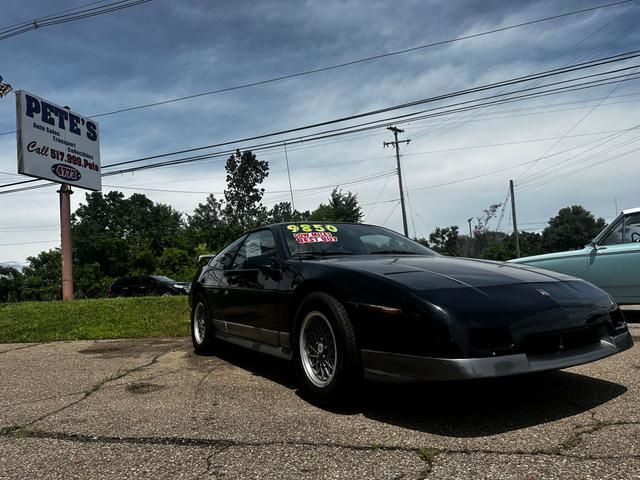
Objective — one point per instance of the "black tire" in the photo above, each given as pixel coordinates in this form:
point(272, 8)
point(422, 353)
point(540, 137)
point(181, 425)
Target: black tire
point(202, 330)
point(314, 352)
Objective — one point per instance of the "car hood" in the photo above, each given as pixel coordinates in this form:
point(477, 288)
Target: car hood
point(430, 272)
point(551, 256)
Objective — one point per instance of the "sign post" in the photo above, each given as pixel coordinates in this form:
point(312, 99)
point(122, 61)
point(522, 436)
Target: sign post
point(65, 242)
point(57, 144)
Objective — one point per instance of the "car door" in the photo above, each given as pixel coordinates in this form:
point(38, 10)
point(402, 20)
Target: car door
point(148, 286)
point(136, 289)
point(251, 290)
point(214, 283)
point(614, 262)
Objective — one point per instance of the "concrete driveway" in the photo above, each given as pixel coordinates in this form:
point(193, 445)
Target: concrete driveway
point(149, 408)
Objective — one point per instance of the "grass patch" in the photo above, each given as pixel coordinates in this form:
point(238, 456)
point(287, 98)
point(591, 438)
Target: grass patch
point(94, 319)
point(428, 455)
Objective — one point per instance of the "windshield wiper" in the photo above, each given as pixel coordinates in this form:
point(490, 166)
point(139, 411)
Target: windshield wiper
point(399, 252)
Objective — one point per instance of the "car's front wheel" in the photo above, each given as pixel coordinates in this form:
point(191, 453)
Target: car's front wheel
point(326, 352)
point(202, 334)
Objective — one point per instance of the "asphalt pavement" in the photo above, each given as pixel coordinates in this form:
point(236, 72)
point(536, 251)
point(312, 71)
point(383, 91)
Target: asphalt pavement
point(150, 408)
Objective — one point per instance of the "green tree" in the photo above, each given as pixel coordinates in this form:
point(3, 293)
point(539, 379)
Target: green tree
point(11, 280)
point(89, 281)
point(208, 225)
point(177, 264)
point(243, 196)
point(342, 207)
point(530, 243)
point(445, 240)
point(121, 234)
point(282, 212)
point(572, 228)
point(43, 276)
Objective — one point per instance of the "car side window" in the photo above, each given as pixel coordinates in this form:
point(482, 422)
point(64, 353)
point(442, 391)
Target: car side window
point(224, 259)
point(259, 249)
point(632, 228)
point(615, 235)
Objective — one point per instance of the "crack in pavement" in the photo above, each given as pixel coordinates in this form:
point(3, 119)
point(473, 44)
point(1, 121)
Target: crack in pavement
point(210, 465)
point(580, 431)
point(224, 444)
point(22, 348)
point(38, 400)
point(196, 391)
point(89, 392)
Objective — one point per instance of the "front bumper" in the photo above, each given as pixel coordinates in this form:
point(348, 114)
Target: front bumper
point(394, 367)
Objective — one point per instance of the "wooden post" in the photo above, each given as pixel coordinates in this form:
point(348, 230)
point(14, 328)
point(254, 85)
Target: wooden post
point(65, 239)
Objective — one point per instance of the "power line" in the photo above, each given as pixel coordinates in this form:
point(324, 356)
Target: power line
point(371, 125)
point(598, 143)
point(27, 243)
point(54, 14)
point(540, 68)
point(582, 169)
point(363, 60)
point(59, 19)
point(573, 127)
point(572, 68)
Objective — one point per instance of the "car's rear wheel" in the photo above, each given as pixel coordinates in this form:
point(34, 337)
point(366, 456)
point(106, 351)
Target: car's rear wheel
point(202, 334)
point(326, 352)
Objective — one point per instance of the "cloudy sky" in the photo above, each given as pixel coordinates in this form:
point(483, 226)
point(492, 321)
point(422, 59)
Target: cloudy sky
point(573, 147)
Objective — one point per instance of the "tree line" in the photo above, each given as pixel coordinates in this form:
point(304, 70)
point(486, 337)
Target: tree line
point(571, 229)
point(114, 236)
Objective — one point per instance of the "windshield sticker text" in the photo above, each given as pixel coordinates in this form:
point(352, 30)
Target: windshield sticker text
point(314, 237)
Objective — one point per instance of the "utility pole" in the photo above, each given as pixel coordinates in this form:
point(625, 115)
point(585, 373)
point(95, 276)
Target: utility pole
point(293, 205)
point(396, 144)
point(515, 222)
point(469, 222)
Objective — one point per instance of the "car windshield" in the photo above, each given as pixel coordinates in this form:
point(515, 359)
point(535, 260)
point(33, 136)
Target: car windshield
point(333, 239)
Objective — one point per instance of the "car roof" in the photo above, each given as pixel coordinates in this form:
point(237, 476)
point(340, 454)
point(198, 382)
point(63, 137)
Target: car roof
point(631, 210)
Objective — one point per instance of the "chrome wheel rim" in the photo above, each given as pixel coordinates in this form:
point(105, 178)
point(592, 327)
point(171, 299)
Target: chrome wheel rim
point(318, 351)
point(199, 323)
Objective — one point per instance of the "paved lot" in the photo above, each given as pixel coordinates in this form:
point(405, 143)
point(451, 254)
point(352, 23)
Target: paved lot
point(151, 409)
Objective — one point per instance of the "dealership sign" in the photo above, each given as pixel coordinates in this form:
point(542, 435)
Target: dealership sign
point(57, 144)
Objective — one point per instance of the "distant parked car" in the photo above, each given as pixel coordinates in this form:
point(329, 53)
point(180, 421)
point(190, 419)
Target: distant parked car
point(148, 285)
point(611, 261)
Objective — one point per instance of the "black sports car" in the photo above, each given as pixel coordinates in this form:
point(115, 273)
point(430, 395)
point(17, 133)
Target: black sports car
point(345, 301)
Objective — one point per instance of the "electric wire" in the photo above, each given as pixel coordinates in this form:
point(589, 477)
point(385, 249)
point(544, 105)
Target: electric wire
point(59, 19)
point(345, 130)
point(459, 123)
point(573, 127)
point(366, 59)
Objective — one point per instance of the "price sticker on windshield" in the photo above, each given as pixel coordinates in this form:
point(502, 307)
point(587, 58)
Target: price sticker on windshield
point(314, 237)
point(311, 227)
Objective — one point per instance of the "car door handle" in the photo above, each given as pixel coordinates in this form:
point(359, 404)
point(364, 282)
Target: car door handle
point(225, 292)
